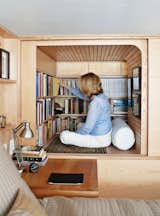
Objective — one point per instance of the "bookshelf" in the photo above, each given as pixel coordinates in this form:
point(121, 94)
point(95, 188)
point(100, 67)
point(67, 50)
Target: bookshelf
point(45, 119)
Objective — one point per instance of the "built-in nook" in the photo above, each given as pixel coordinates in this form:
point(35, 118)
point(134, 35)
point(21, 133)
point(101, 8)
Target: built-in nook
point(111, 62)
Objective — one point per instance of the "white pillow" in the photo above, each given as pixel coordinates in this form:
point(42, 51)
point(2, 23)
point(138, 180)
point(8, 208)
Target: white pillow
point(122, 135)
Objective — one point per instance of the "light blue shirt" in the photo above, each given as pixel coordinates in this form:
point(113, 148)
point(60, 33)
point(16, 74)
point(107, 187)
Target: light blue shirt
point(98, 121)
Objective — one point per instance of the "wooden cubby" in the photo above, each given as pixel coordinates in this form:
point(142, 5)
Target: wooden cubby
point(112, 58)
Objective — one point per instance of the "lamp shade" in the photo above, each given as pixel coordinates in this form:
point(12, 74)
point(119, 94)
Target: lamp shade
point(27, 131)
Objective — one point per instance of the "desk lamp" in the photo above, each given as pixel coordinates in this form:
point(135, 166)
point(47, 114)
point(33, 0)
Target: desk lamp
point(26, 133)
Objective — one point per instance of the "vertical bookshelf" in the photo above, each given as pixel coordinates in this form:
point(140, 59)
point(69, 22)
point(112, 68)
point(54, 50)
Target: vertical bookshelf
point(45, 119)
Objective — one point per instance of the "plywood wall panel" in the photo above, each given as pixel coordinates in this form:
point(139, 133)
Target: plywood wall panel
point(135, 124)
point(129, 178)
point(134, 60)
point(10, 91)
point(28, 80)
point(45, 63)
point(154, 100)
point(100, 68)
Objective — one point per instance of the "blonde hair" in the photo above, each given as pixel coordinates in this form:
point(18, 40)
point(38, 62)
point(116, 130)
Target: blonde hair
point(90, 84)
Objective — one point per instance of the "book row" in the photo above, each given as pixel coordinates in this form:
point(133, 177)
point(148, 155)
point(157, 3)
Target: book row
point(68, 123)
point(48, 130)
point(44, 110)
point(45, 132)
point(46, 85)
point(47, 108)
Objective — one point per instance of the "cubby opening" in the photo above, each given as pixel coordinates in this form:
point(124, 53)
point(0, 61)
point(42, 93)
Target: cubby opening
point(120, 69)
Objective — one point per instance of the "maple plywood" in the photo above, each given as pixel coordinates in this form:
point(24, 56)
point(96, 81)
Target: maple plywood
point(10, 91)
point(129, 178)
point(45, 63)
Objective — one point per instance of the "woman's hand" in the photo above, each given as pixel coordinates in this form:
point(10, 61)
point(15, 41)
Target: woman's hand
point(64, 86)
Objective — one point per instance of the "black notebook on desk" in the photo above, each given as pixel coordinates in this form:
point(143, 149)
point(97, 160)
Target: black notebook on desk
point(66, 178)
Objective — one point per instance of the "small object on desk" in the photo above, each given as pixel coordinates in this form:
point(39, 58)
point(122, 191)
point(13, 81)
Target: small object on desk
point(33, 167)
point(2, 121)
point(66, 178)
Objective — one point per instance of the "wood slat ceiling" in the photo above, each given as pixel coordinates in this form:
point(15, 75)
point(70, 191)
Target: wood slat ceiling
point(90, 53)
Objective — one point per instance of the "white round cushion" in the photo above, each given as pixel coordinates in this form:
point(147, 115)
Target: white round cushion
point(122, 135)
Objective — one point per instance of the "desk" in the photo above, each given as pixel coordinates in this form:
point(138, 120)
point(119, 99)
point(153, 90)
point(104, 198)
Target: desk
point(38, 181)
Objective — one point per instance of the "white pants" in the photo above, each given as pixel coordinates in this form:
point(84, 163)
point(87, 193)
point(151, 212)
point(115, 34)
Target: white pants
point(89, 141)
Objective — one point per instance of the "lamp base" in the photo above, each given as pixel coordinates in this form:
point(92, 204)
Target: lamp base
point(21, 170)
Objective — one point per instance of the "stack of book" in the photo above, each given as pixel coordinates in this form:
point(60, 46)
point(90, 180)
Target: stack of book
point(32, 154)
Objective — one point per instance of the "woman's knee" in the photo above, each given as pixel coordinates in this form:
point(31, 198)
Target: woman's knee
point(63, 136)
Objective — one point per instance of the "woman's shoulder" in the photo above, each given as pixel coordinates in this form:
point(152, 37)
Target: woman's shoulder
point(101, 98)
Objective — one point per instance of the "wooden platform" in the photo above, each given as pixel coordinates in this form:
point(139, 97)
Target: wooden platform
point(40, 187)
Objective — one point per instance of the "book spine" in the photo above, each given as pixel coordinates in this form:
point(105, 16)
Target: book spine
point(38, 159)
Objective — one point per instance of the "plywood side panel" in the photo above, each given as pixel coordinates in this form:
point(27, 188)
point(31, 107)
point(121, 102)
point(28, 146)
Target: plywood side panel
point(109, 68)
point(70, 69)
point(9, 102)
point(135, 124)
point(45, 63)
point(135, 179)
point(28, 80)
point(100, 68)
point(154, 100)
point(134, 60)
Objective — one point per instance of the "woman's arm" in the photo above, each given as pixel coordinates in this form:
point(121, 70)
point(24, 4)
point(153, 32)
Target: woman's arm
point(92, 116)
point(78, 93)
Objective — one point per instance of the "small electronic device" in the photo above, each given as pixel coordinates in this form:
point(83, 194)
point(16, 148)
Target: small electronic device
point(66, 178)
point(33, 168)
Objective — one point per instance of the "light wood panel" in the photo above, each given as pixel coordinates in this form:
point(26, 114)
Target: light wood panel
point(89, 53)
point(134, 60)
point(109, 68)
point(129, 178)
point(10, 89)
point(5, 33)
point(76, 69)
point(40, 187)
point(45, 63)
point(135, 124)
point(28, 82)
point(154, 100)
